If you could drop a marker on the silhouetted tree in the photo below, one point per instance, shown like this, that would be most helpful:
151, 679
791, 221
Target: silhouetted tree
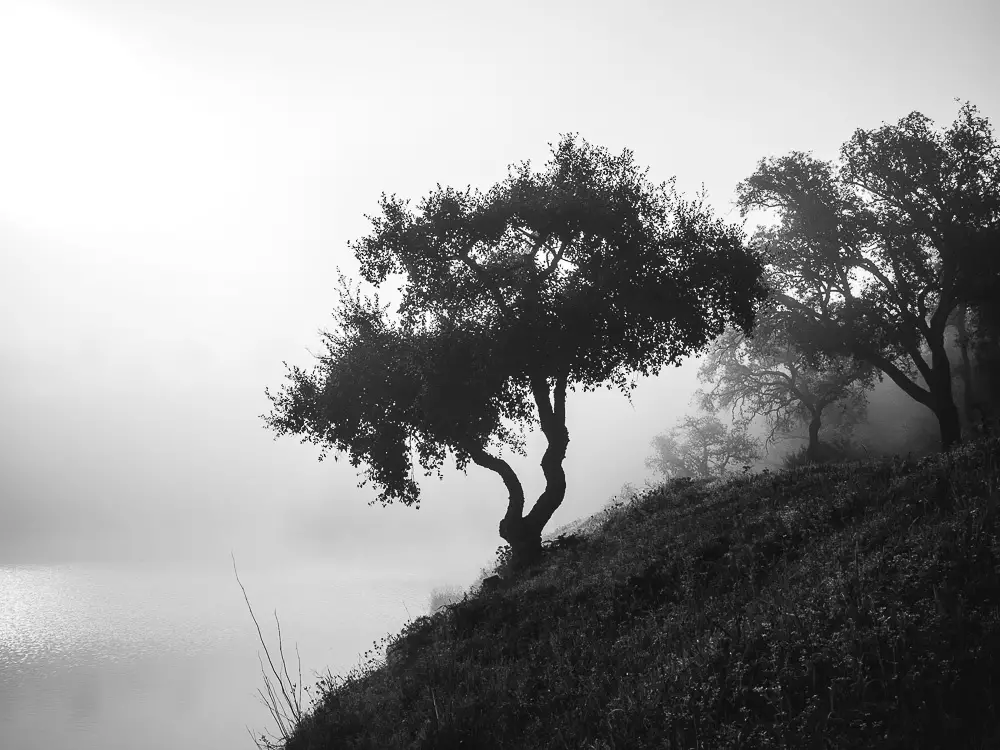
584, 274
872, 257
702, 447
766, 375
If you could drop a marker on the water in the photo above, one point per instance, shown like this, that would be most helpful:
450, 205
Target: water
99, 657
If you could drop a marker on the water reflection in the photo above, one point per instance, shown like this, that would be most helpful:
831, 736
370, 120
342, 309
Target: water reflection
67, 615
102, 657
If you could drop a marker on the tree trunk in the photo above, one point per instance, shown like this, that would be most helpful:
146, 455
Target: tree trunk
812, 452
524, 535
525, 541
965, 365
944, 400
950, 423
986, 356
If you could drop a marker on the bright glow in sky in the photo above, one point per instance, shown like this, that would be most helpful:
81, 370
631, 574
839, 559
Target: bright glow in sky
179, 178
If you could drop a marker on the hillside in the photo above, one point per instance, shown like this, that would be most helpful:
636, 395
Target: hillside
849, 606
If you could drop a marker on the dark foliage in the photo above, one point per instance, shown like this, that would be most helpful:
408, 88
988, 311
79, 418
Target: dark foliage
581, 275
872, 256
837, 450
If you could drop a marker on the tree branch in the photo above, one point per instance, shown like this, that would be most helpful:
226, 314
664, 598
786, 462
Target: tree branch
515, 506
484, 279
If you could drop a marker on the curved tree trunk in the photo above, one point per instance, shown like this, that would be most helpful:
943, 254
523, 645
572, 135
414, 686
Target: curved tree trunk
937, 397
525, 534
513, 528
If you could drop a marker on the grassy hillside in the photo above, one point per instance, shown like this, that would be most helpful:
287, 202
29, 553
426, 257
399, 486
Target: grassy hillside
853, 605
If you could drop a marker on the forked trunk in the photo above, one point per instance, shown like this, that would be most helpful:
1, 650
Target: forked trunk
524, 534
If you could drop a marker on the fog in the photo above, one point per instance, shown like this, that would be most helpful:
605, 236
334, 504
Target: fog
178, 182
179, 178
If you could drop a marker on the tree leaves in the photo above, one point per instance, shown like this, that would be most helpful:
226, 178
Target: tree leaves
871, 257
582, 274
702, 447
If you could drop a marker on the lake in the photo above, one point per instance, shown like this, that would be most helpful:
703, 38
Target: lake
102, 657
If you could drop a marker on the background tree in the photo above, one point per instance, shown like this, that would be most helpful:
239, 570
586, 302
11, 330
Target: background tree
581, 275
977, 324
984, 342
702, 447
873, 256
766, 375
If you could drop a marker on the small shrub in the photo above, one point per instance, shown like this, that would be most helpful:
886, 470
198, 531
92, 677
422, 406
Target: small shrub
834, 451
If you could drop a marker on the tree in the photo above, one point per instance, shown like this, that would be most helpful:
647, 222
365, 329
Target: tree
702, 447
873, 256
766, 375
978, 362
977, 324
984, 341
581, 275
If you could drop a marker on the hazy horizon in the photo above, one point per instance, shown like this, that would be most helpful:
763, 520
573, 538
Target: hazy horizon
179, 181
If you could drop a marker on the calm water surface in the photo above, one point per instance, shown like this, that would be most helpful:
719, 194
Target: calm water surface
101, 658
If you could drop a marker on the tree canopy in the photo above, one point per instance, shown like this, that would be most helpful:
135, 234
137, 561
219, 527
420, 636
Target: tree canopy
583, 274
872, 256
702, 447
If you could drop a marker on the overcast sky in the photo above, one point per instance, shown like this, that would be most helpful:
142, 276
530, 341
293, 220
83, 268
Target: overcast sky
179, 179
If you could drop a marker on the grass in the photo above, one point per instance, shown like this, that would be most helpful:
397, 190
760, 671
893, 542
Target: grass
839, 606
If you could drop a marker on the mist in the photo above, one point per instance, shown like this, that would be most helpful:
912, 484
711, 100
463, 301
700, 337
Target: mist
178, 183
173, 211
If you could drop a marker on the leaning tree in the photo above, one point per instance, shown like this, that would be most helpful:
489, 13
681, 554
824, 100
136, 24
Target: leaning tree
873, 256
583, 274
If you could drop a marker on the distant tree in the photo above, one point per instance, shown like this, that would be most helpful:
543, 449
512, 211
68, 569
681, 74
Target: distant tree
873, 256
977, 353
582, 275
766, 375
702, 447
443, 596
984, 341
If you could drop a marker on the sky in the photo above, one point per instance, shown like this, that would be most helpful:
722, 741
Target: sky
179, 180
